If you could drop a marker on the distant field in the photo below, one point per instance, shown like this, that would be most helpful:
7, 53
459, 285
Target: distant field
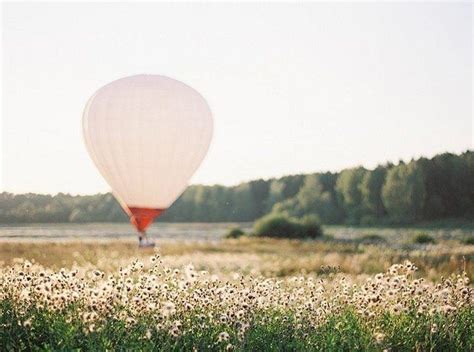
367, 252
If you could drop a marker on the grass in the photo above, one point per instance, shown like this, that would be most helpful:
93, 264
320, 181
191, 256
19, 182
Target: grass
147, 306
245, 294
260, 256
270, 331
468, 241
423, 238
372, 239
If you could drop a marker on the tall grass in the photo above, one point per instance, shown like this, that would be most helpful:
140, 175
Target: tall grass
147, 305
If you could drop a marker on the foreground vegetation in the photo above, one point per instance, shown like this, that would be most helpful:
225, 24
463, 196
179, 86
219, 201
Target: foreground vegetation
242, 294
434, 189
149, 306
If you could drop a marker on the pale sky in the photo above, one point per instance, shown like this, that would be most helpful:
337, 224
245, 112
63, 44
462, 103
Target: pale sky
293, 88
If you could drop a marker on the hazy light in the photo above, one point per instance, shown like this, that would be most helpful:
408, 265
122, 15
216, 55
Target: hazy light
293, 88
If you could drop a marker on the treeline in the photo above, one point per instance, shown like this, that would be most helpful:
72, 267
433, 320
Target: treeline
421, 190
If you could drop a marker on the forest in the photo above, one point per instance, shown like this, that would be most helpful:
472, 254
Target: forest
405, 193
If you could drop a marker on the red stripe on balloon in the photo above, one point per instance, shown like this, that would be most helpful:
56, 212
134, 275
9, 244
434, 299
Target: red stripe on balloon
141, 218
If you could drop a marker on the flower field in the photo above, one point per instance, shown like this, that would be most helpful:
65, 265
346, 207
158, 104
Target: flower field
247, 294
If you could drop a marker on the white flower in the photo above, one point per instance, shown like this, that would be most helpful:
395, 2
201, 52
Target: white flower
223, 336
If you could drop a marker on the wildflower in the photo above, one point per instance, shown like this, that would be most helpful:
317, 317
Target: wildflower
148, 334
174, 332
223, 336
379, 337
223, 318
397, 308
448, 309
97, 273
169, 308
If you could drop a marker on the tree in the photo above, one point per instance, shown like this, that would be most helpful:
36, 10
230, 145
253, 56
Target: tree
317, 196
403, 193
449, 184
243, 206
371, 192
442, 186
349, 194
275, 194
260, 190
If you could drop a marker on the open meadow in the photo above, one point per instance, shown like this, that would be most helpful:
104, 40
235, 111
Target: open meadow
360, 291
237, 176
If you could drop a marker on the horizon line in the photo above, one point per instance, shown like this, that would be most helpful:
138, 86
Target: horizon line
395, 163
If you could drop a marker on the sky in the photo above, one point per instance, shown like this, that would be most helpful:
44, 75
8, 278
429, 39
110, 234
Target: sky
294, 88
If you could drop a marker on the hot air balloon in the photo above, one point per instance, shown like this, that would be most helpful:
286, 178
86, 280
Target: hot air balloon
147, 135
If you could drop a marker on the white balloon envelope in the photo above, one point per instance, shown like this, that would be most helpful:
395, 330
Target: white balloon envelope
147, 135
